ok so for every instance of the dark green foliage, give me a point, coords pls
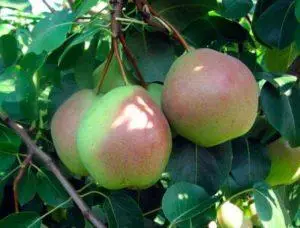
(46, 57)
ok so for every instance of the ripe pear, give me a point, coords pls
(285, 163)
(124, 140)
(64, 126)
(231, 216)
(113, 77)
(210, 97)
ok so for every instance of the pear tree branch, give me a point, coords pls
(47, 160)
(148, 14)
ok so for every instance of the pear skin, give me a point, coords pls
(64, 126)
(124, 140)
(210, 97)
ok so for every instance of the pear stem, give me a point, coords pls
(117, 54)
(133, 61)
(116, 12)
(104, 72)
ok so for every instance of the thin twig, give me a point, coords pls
(117, 54)
(152, 211)
(177, 35)
(104, 72)
(49, 7)
(46, 159)
(18, 179)
(132, 60)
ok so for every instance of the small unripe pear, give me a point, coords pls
(231, 216)
(64, 126)
(210, 97)
(285, 163)
(124, 140)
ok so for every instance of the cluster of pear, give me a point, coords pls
(122, 137)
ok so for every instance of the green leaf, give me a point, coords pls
(277, 31)
(99, 213)
(283, 82)
(279, 60)
(85, 66)
(62, 92)
(297, 37)
(268, 208)
(15, 4)
(154, 53)
(9, 146)
(297, 10)
(50, 190)
(122, 211)
(231, 187)
(51, 32)
(183, 201)
(250, 163)
(8, 49)
(180, 13)
(7, 160)
(283, 111)
(2, 186)
(290, 196)
(207, 29)
(236, 9)
(22, 103)
(86, 35)
(27, 187)
(85, 7)
(5, 28)
(21, 220)
(207, 167)
(9, 141)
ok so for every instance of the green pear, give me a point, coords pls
(155, 92)
(64, 126)
(124, 140)
(113, 77)
(231, 216)
(210, 97)
(285, 163)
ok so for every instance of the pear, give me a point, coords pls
(231, 216)
(64, 126)
(124, 140)
(210, 97)
(285, 163)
